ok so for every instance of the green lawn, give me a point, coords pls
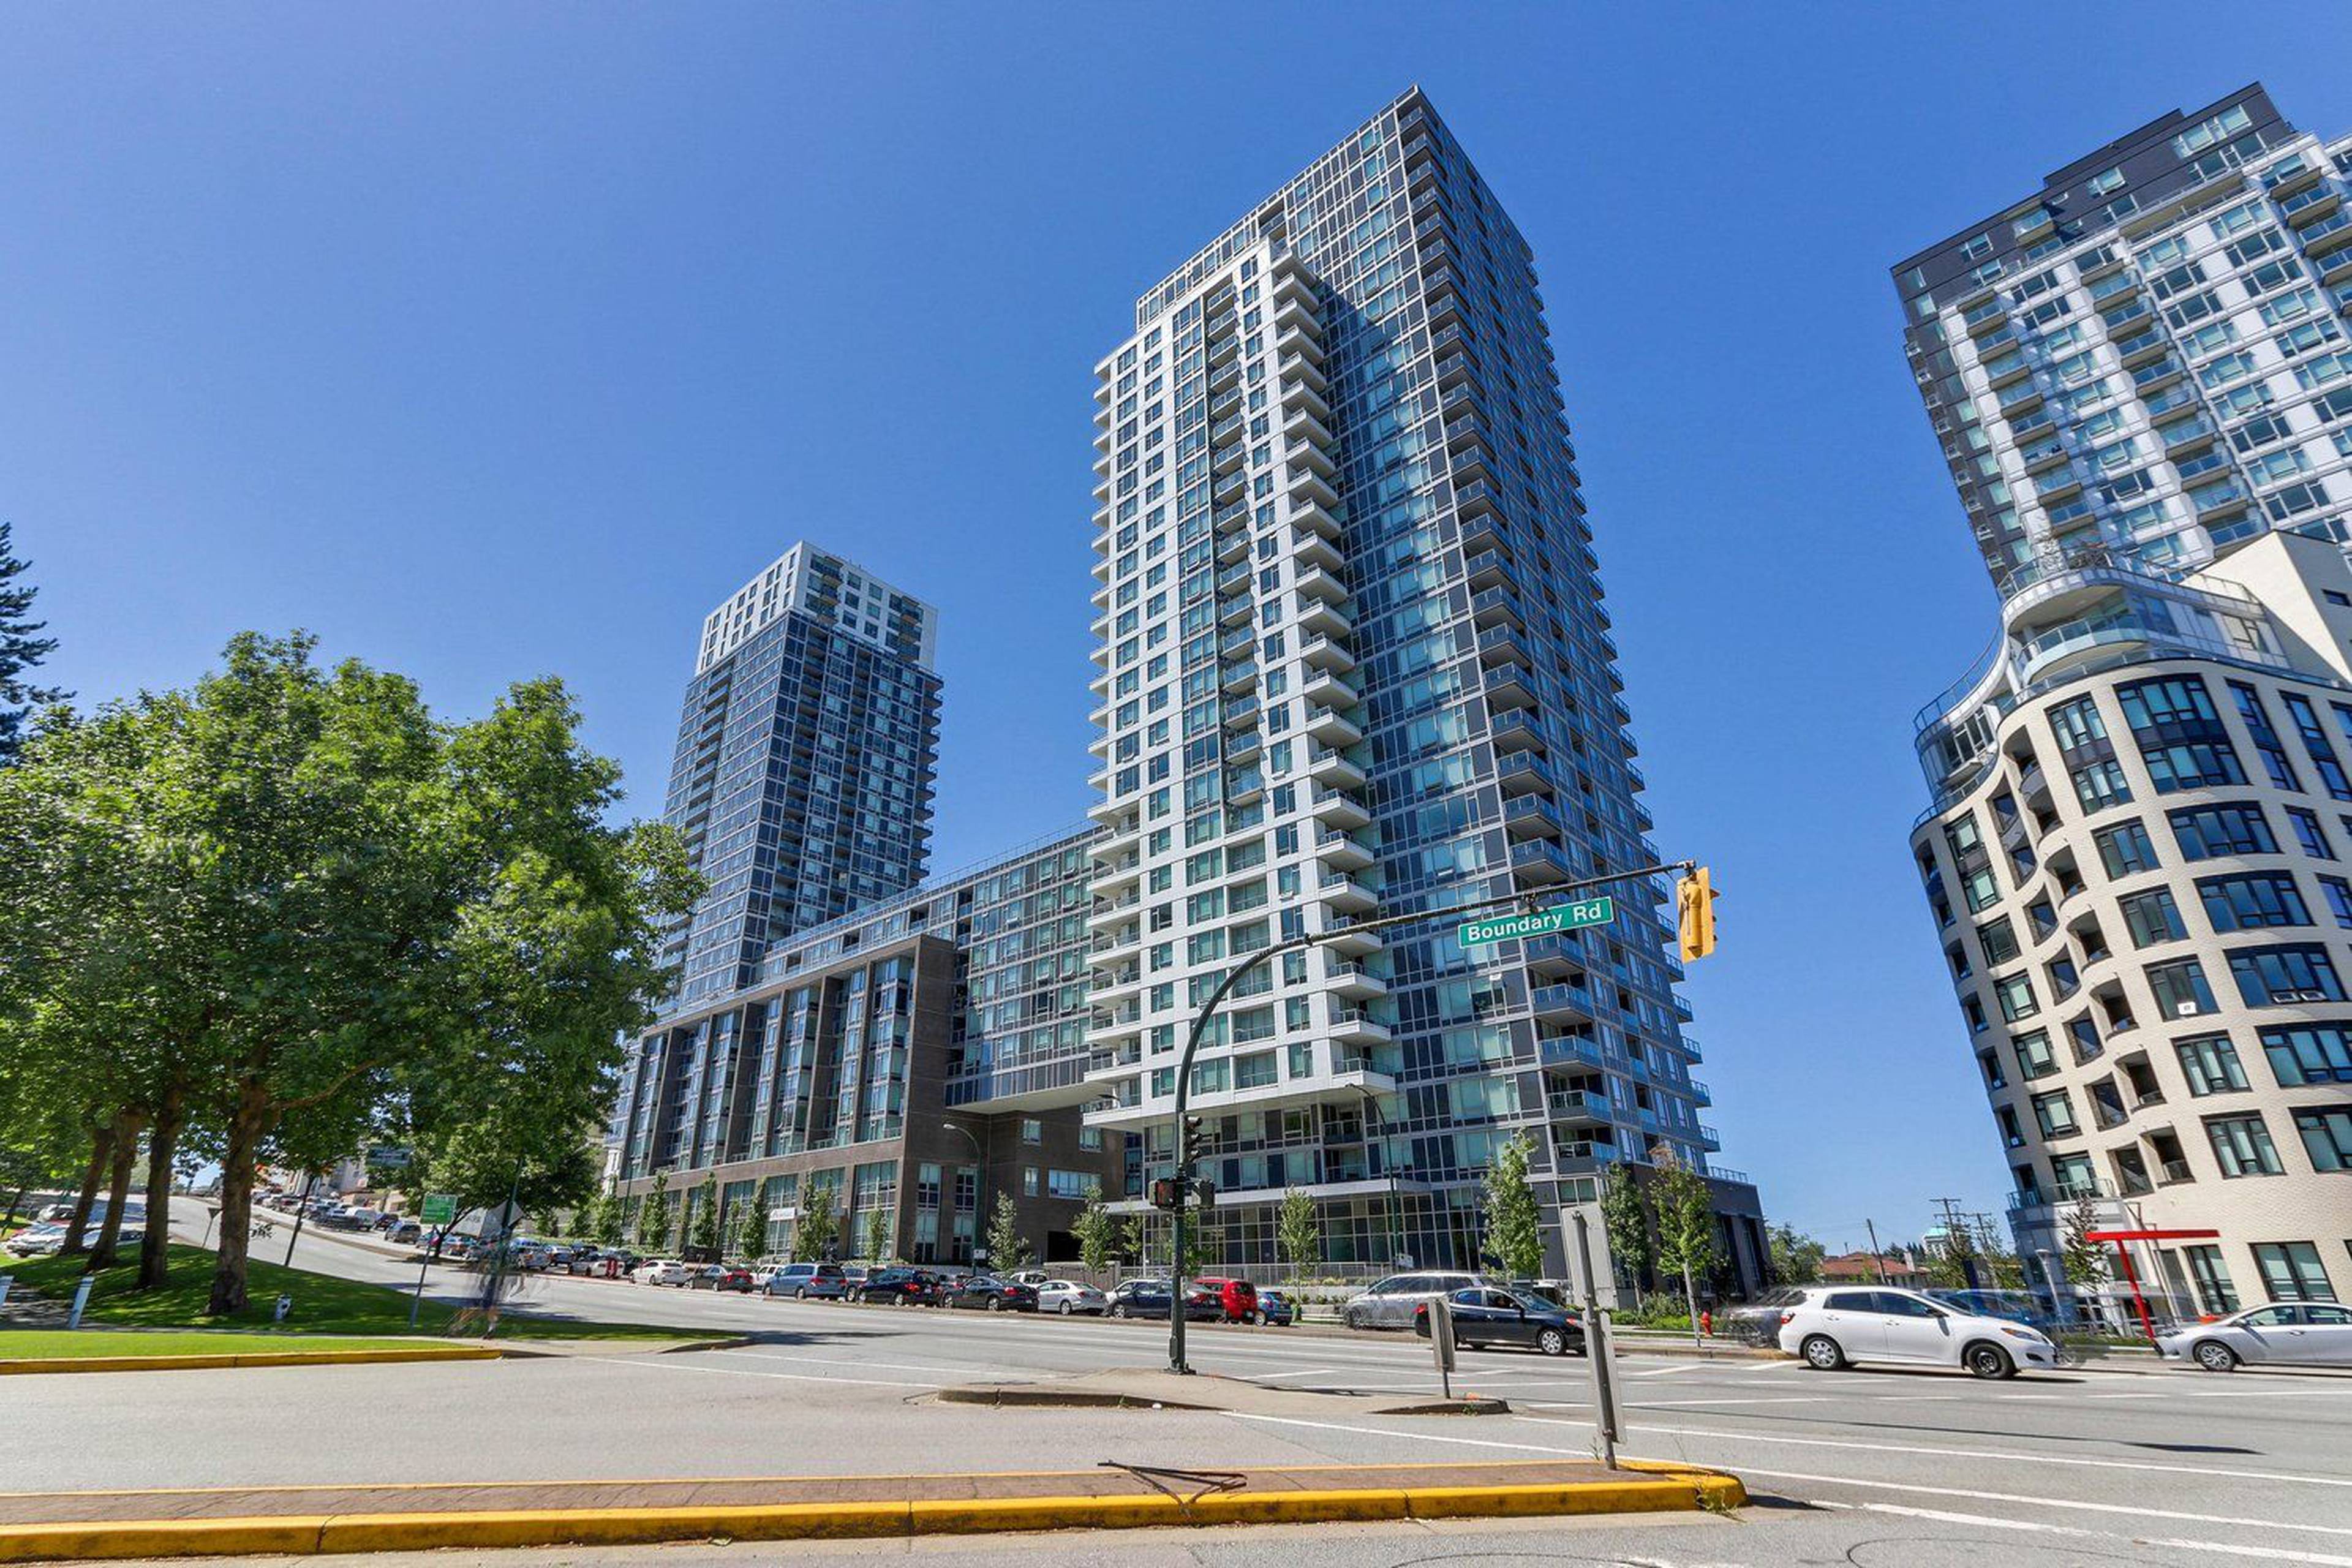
(65, 1344)
(322, 1303)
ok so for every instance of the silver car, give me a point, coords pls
(2283, 1334)
(1068, 1296)
(1389, 1304)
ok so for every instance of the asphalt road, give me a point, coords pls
(1872, 1468)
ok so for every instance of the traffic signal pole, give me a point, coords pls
(1234, 976)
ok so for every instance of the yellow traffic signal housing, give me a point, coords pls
(1694, 914)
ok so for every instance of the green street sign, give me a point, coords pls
(439, 1208)
(1572, 916)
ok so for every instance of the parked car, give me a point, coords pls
(989, 1294)
(1067, 1297)
(660, 1271)
(808, 1281)
(1237, 1299)
(1276, 1309)
(720, 1277)
(1487, 1315)
(1389, 1304)
(1834, 1326)
(1758, 1322)
(902, 1287)
(1148, 1299)
(37, 1240)
(1032, 1278)
(2285, 1334)
(387, 1221)
(407, 1230)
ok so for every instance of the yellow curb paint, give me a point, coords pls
(245, 1359)
(159, 1538)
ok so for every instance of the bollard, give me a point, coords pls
(6, 1281)
(285, 1305)
(81, 1298)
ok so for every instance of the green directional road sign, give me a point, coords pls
(1572, 916)
(439, 1208)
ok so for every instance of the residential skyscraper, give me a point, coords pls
(807, 751)
(1354, 658)
(2141, 819)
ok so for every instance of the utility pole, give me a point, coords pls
(1877, 1259)
(1958, 1236)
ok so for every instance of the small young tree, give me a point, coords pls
(1007, 1248)
(819, 1230)
(703, 1228)
(881, 1233)
(2084, 1261)
(1797, 1258)
(1686, 1217)
(1298, 1231)
(751, 1227)
(1625, 1215)
(1134, 1237)
(653, 1215)
(1956, 1265)
(611, 1220)
(1096, 1233)
(1514, 1239)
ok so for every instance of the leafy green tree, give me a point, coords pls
(1797, 1258)
(1514, 1239)
(612, 1221)
(751, 1227)
(653, 1215)
(1686, 1221)
(22, 649)
(818, 1230)
(1007, 1247)
(1948, 1265)
(1625, 1215)
(1298, 1231)
(2083, 1260)
(1096, 1232)
(702, 1227)
(881, 1229)
(1133, 1238)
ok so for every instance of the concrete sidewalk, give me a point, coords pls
(342, 1519)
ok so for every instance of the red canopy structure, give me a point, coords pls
(2131, 1276)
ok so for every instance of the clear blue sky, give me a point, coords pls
(498, 339)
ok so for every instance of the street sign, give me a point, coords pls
(390, 1156)
(439, 1208)
(1574, 915)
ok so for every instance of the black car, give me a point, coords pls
(990, 1294)
(1484, 1316)
(904, 1287)
(1148, 1299)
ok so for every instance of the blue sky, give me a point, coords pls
(494, 340)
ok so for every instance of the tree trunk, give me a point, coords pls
(14, 1203)
(101, 1154)
(117, 1191)
(245, 1130)
(1690, 1303)
(162, 1147)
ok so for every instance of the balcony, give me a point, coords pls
(1325, 616)
(1241, 712)
(1566, 1000)
(1331, 727)
(1338, 850)
(1323, 654)
(1487, 569)
(1327, 687)
(1509, 686)
(1577, 1105)
(1337, 810)
(1569, 1051)
(1352, 1027)
(1497, 607)
(1354, 980)
(1516, 727)
(1344, 893)
(1530, 816)
(1520, 771)
(1538, 862)
(1238, 677)
(1315, 518)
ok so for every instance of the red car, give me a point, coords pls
(1237, 1299)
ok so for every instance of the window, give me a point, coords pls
(2309, 834)
(2211, 1278)
(2242, 1145)
(2338, 893)
(2035, 1057)
(1997, 940)
(1032, 1130)
(2206, 832)
(2015, 994)
(2180, 736)
(2179, 988)
(2292, 1272)
(2309, 1053)
(2327, 1136)
(2290, 973)
(2252, 902)
(1029, 1181)
(2210, 1064)
(2266, 738)
(2152, 917)
(2125, 849)
(2054, 1114)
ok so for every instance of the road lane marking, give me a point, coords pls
(2133, 1510)
(1782, 1439)
(1992, 1521)
(669, 1364)
(1679, 1404)
(884, 1366)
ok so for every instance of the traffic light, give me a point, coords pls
(1694, 914)
(1167, 1192)
(1188, 1143)
(1204, 1192)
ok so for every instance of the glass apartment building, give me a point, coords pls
(807, 752)
(2138, 846)
(917, 1059)
(1353, 659)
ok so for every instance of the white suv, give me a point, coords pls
(1834, 1325)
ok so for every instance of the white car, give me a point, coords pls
(37, 1240)
(2289, 1333)
(661, 1271)
(1068, 1296)
(1833, 1326)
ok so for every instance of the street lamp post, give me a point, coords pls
(978, 1188)
(1234, 976)
(1388, 1167)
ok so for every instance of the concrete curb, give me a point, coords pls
(1051, 1397)
(249, 1359)
(1651, 1491)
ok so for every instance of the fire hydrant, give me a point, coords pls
(1707, 1322)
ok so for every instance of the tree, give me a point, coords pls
(1007, 1247)
(612, 1221)
(1514, 1238)
(1298, 1231)
(22, 649)
(1133, 1238)
(2083, 1260)
(1625, 1215)
(1096, 1232)
(1686, 1221)
(1950, 1264)
(702, 1226)
(818, 1233)
(881, 1235)
(751, 1227)
(1796, 1257)
(653, 1215)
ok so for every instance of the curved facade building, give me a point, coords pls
(2140, 861)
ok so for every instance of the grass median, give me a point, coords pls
(324, 1306)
